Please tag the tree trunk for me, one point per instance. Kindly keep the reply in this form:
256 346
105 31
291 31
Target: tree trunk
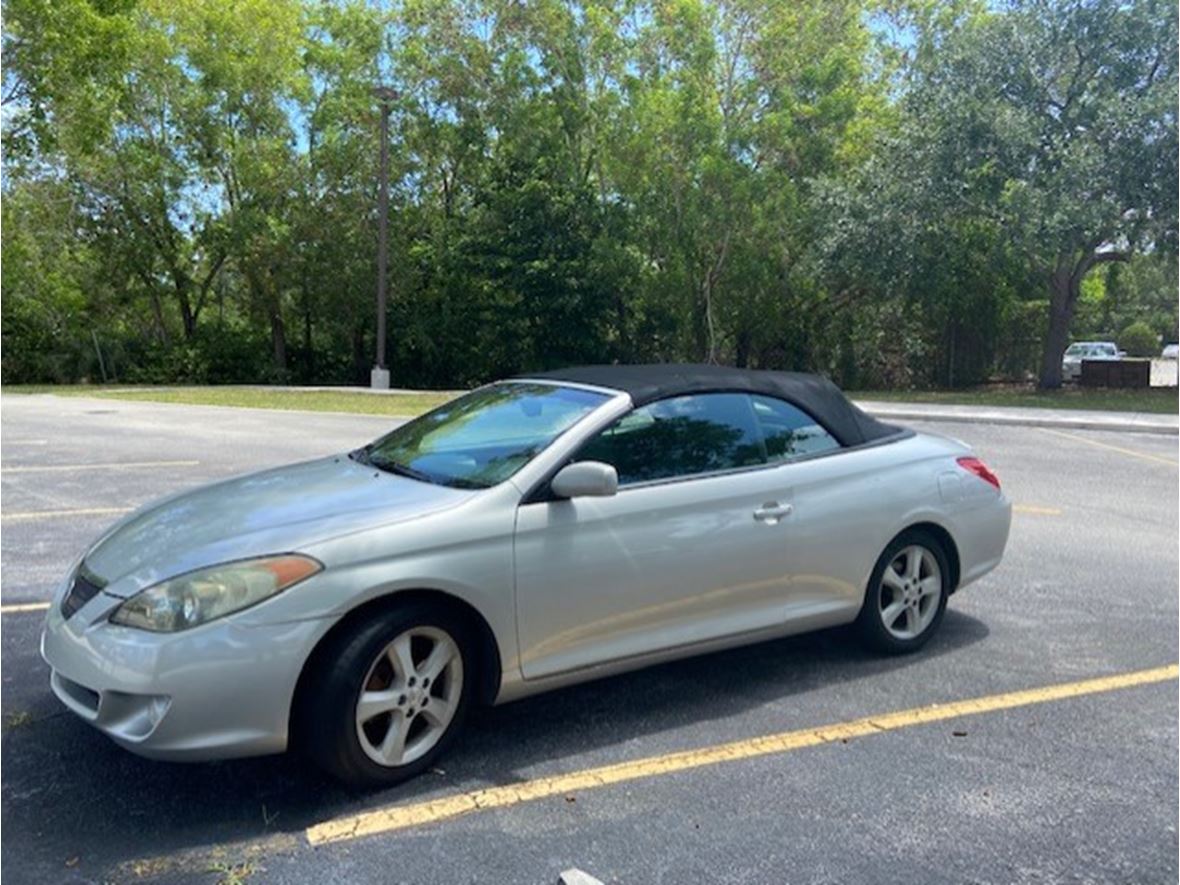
1065 284
741 357
182 284
278 339
699 325
308 353
1062 299
710 324
623 352
308 356
158 315
359 356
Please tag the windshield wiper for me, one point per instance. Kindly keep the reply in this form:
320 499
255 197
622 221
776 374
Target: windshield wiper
456 482
400 469
453 482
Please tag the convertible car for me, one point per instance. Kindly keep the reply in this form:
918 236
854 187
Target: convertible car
533 533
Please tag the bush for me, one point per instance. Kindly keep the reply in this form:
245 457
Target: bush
1138 339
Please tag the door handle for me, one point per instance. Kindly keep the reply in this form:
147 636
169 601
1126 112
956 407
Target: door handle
772 511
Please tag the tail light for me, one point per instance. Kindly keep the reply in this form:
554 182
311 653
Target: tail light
974 465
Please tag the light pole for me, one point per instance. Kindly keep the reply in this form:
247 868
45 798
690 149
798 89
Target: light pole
386 96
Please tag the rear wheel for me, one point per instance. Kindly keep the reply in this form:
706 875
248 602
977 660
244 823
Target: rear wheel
907 593
388 697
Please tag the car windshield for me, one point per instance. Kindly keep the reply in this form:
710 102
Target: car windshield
1090 350
483 438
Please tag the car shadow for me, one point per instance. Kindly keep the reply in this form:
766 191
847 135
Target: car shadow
69 793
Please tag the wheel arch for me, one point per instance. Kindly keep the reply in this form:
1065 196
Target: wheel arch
945 539
488 664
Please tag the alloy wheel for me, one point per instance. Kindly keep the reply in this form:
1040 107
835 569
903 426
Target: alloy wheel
911 587
409 696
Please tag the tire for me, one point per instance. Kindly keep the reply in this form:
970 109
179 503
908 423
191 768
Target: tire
900 611
388 659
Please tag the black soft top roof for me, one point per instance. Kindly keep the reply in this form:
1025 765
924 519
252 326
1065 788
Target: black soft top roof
817 396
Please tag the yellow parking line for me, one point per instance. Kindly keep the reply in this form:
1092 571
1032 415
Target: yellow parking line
113 465
23 607
1035 511
1108 446
50 514
400 817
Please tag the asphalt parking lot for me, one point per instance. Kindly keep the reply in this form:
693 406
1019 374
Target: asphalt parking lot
1065 789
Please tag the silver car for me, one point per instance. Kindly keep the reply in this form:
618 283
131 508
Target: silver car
531 534
1071 361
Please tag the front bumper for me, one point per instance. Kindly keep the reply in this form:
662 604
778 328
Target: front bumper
217 691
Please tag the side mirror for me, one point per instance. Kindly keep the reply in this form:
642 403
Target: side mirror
585 479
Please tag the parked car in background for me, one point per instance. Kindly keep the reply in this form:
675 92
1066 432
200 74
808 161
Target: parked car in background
532 534
1171 351
1071 363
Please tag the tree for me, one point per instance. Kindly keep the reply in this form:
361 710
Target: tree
1139 340
731 110
64 64
892 191
1056 119
52 285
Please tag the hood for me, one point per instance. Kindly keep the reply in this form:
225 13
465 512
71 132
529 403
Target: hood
275 511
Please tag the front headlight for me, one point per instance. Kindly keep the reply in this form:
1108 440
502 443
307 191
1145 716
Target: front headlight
189 600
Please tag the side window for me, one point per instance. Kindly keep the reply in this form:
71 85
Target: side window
681 436
789 431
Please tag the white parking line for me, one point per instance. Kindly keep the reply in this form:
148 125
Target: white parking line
113 465
51 514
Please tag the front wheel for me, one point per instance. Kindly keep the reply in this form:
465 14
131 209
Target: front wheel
907 593
388 697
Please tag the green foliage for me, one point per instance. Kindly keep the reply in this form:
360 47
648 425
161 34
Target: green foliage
51 287
879 191
1138 339
1056 122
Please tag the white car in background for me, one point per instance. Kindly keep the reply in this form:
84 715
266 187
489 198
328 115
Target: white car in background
1071 363
1170 352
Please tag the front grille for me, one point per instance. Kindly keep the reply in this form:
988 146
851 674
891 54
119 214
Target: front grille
84 589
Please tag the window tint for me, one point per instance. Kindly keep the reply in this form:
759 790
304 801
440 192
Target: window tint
789 432
482 438
682 436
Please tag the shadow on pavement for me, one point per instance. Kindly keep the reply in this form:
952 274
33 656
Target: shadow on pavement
78 805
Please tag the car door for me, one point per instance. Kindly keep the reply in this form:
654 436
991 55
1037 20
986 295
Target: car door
693 546
838 501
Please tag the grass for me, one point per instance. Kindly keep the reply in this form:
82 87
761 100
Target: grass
1158 400
19 719
394 404
233 874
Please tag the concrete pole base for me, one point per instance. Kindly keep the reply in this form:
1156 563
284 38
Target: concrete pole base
379 379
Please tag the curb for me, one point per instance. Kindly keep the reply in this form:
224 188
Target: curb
890 412
1073 423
